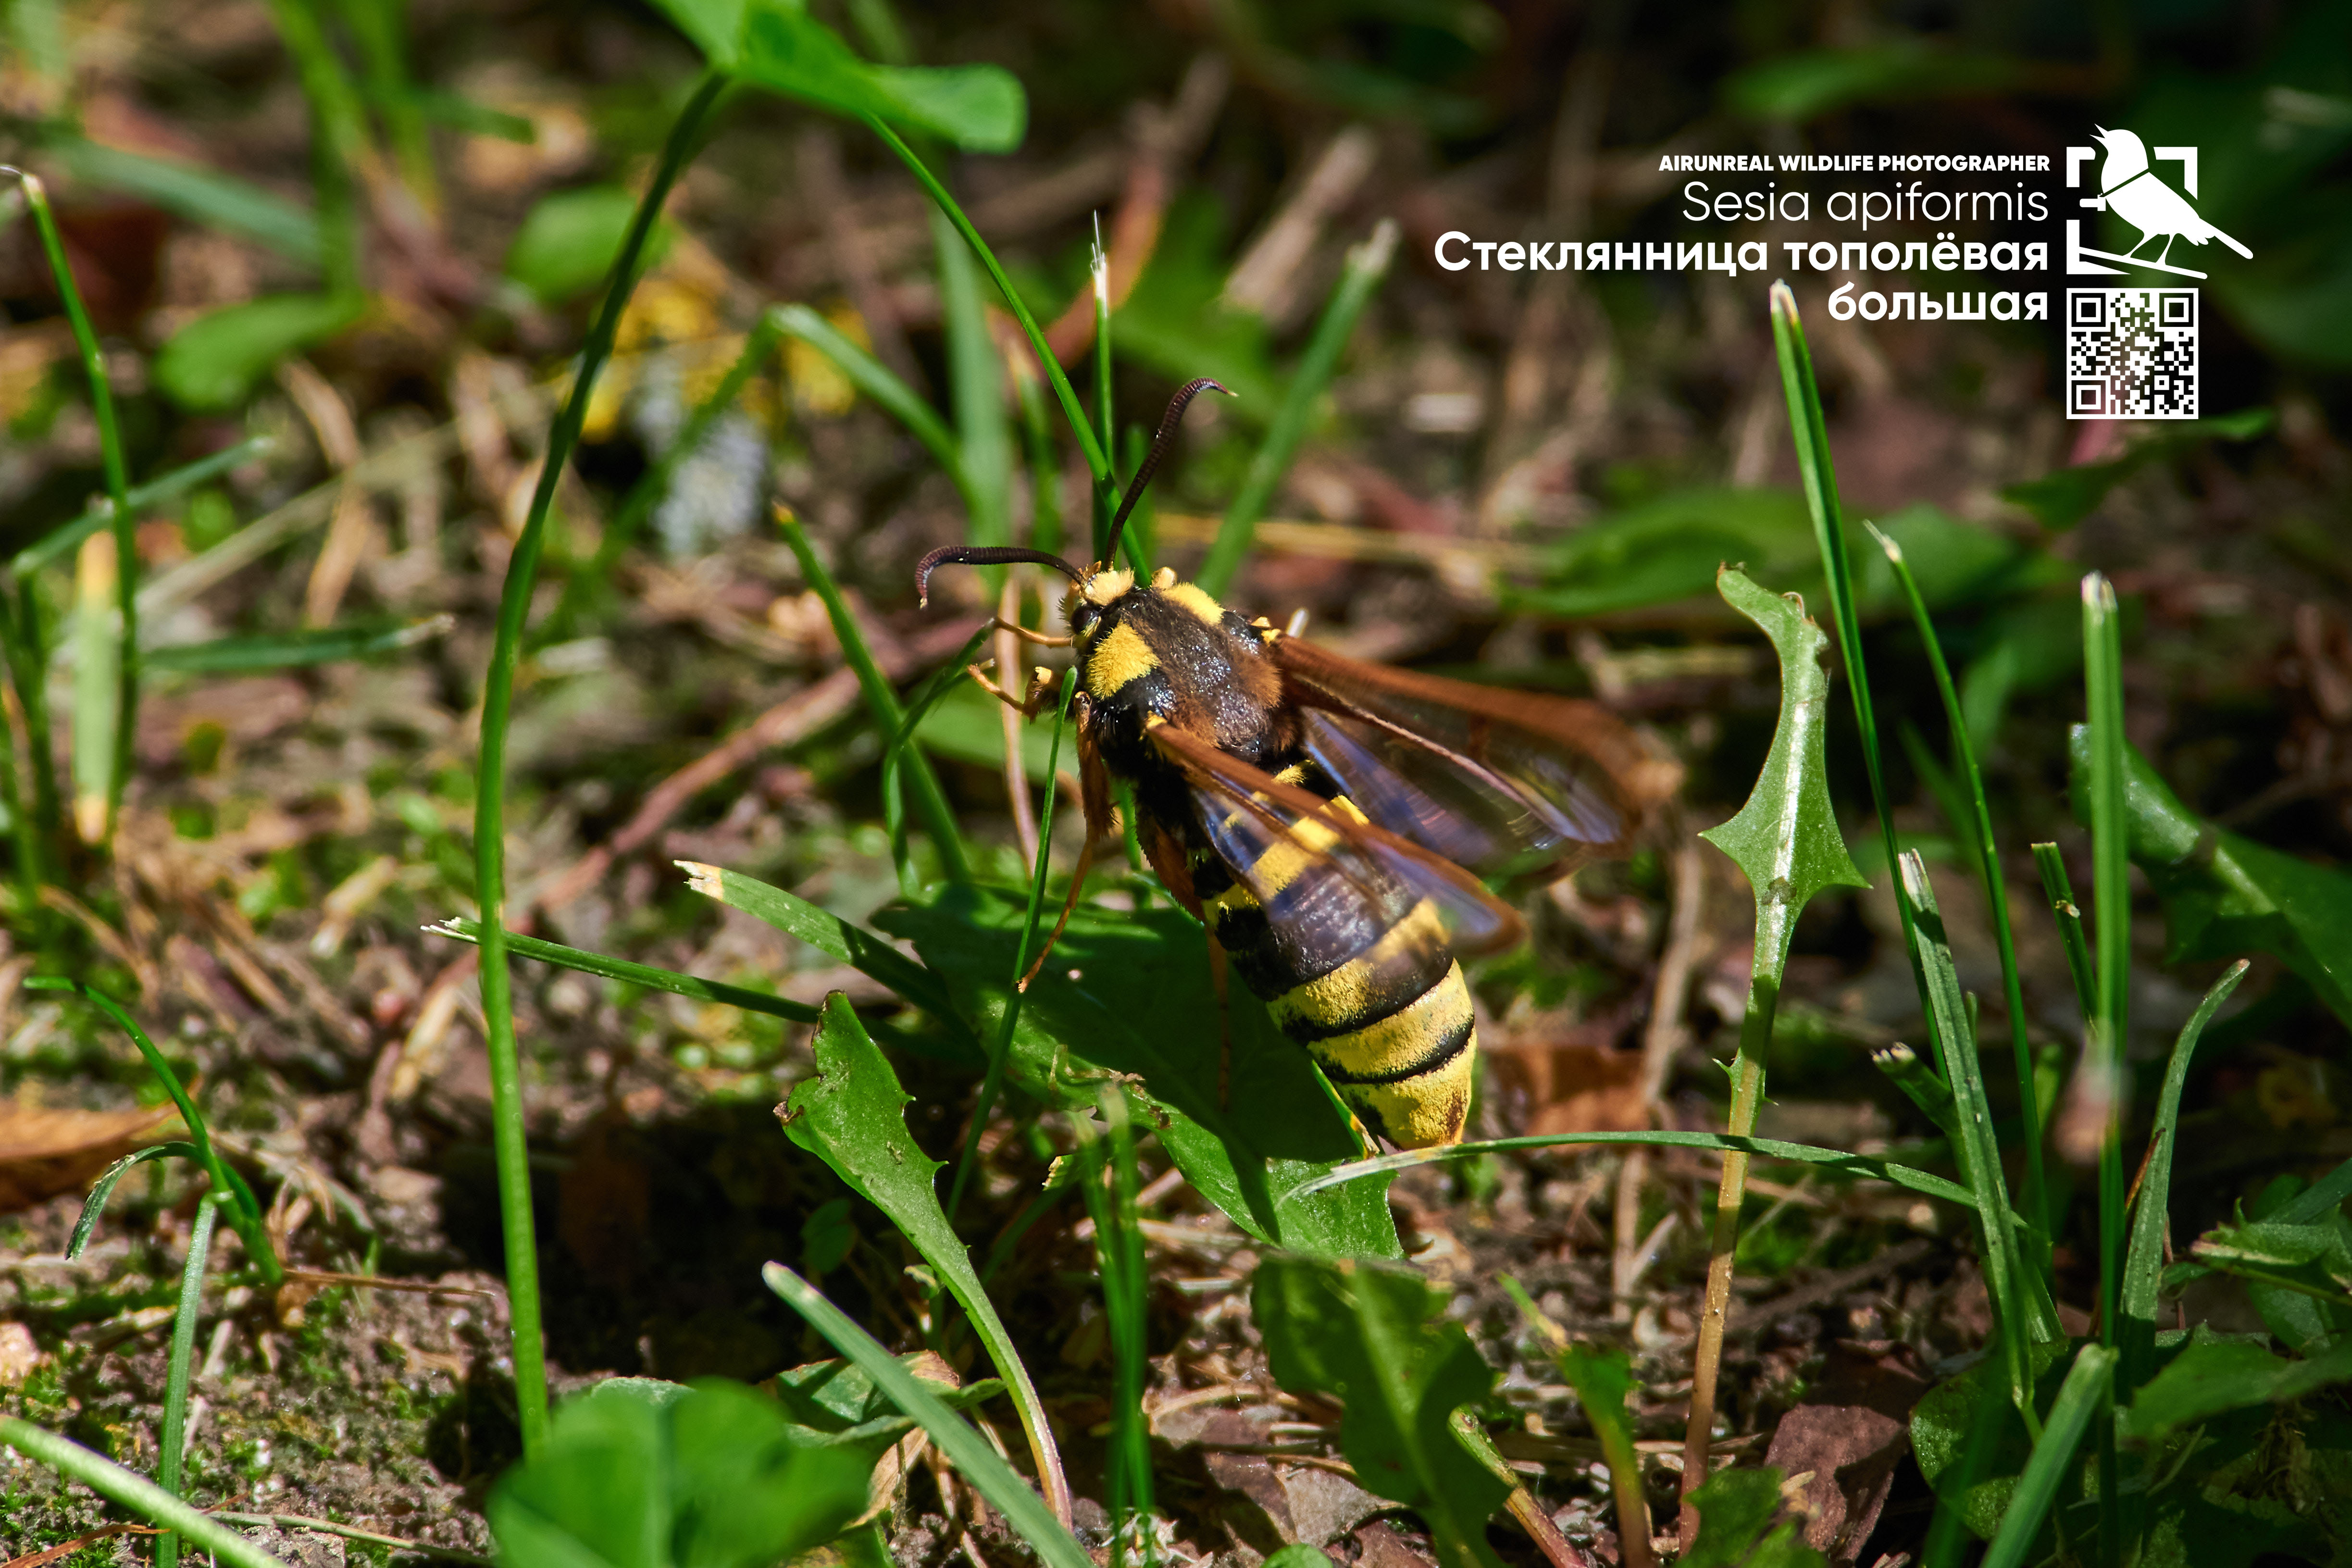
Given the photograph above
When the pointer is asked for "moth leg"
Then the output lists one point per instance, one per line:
(1224, 1024)
(1069, 907)
(1025, 635)
(1040, 683)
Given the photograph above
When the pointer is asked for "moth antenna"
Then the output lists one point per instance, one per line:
(1159, 445)
(984, 555)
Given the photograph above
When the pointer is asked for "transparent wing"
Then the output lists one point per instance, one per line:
(1315, 865)
(1507, 784)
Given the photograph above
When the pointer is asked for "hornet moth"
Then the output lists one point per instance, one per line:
(1333, 824)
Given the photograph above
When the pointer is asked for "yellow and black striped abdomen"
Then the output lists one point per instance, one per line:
(1370, 987)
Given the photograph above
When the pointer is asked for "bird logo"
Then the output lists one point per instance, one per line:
(2130, 187)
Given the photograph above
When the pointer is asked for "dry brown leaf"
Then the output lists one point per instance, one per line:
(1572, 1087)
(44, 1150)
(1851, 1432)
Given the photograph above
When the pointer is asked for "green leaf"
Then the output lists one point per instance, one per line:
(2215, 1378)
(1804, 86)
(2065, 497)
(1667, 549)
(1375, 1336)
(775, 44)
(1735, 1510)
(568, 243)
(1945, 1424)
(1129, 994)
(636, 1474)
(2144, 1262)
(2299, 1275)
(974, 1458)
(1298, 1555)
(2225, 896)
(850, 1115)
(293, 650)
(833, 1398)
(2021, 647)
(216, 361)
(1670, 548)
(1785, 840)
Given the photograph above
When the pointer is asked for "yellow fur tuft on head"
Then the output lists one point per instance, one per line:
(1105, 585)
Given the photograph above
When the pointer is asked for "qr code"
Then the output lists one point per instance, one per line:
(2131, 353)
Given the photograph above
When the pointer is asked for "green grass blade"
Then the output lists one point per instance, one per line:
(881, 700)
(293, 650)
(841, 940)
(1604, 1380)
(2016, 1305)
(975, 391)
(1107, 1181)
(193, 192)
(1367, 265)
(1105, 415)
(2111, 901)
(379, 27)
(965, 1448)
(2105, 1084)
(1044, 465)
(32, 823)
(1906, 1176)
(2060, 890)
(137, 1493)
(118, 493)
(2144, 1260)
(850, 1115)
(1094, 450)
(901, 745)
(184, 1350)
(2086, 1392)
(246, 1221)
(1978, 829)
(668, 981)
(655, 482)
(96, 689)
(339, 137)
(1819, 477)
(490, 777)
(878, 383)
(1920, 1083)
(2323, 1198)
(63, 540)
(1002, 1056)
(102, 1190)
